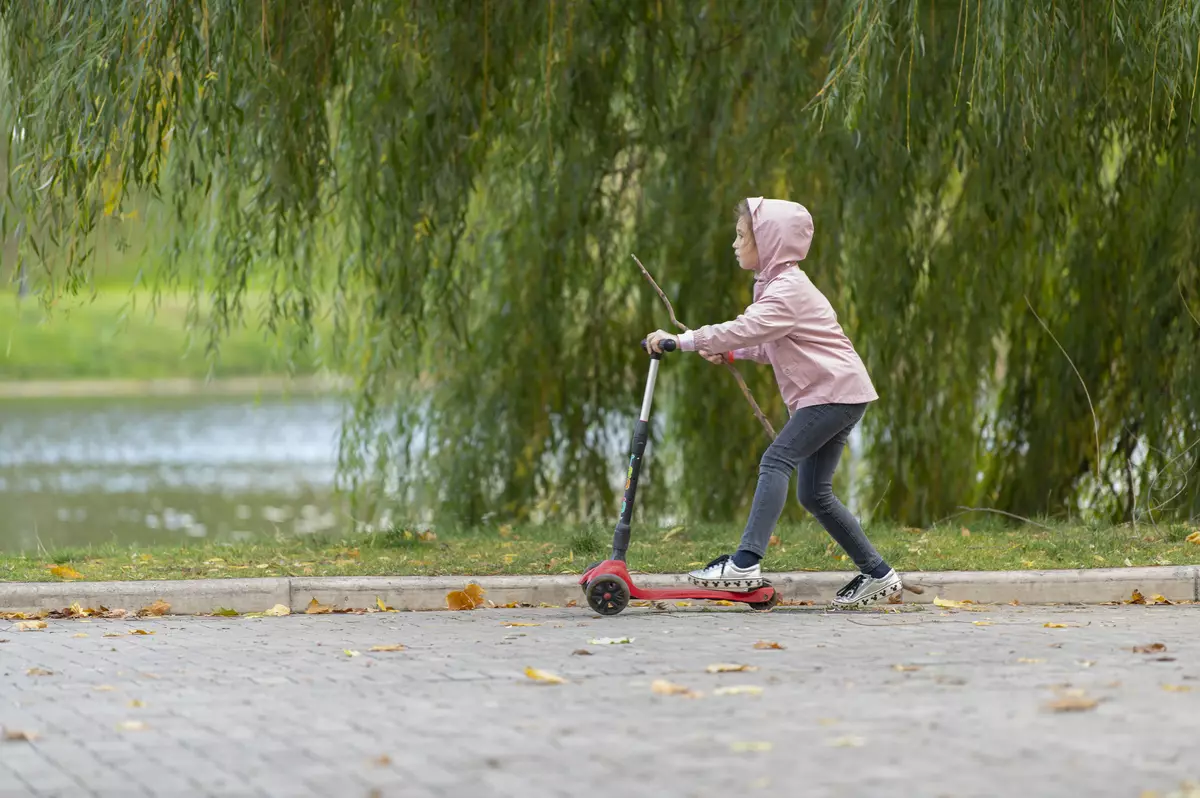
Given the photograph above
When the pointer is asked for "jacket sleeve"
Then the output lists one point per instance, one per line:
(766, 320)
(754, 353)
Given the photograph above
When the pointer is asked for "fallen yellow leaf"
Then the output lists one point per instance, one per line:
(38, 672)
(349, 652)
(906, 668)
(137, 703)
(683, 603)
(982, 623)
(663, 687)
(278, 611)
(1054, 625)
(1153, 648)
(19, 735)
(383, 607)
(729, 667)
(611, 641)
(1159, 598)
(1028, 661)
(468, 598)
(849, 741)
(951, 604)
(739, 689)
(745, 747)
(511, 624)
(159, 607)
(1194, 537)
(1072, 703)
(544, 676)
(225, 612)
(1177, 688)
(1136, 597)
(65, 572)
(388, 647)
(722, 602)
(131, 725)
(79, 634)
(768, 645)
(317, 608)
(140, 632)
(113, 634)
(30, 626)
(104, 688)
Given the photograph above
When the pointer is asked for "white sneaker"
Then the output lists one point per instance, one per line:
(722, 574)
(865, 589)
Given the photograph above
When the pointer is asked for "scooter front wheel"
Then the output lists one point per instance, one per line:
(608, 594)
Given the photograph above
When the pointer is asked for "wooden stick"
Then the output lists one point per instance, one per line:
(733, 369)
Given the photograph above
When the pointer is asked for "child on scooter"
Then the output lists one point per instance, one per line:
(792, 326)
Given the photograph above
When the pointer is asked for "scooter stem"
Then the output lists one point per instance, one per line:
(636, 449)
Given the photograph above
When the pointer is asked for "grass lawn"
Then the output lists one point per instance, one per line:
(114, 336)
(554, 549)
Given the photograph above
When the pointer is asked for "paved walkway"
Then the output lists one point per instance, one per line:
(274, 707)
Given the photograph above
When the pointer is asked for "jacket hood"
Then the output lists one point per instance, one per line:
(783, 232)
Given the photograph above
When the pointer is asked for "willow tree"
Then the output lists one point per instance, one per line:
(1006, 197)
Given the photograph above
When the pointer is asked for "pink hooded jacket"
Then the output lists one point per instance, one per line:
(790, 324)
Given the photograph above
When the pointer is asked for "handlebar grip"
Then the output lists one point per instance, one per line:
(667, 345)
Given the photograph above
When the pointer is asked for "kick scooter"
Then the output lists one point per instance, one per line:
(608, 585)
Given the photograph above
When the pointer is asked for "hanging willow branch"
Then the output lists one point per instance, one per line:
(737, 375)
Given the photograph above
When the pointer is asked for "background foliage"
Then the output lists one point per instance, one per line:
(1005, 196)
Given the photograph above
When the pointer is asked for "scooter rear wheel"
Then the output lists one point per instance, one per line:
(768, 604)
(608, 594)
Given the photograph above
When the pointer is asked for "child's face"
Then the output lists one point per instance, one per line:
(744, 246)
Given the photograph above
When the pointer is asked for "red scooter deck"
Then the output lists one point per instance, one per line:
(763, 595)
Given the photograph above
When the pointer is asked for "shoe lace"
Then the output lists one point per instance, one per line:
(853, 585)
(724, 558)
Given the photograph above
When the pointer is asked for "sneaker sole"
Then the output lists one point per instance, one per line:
(734, 585)
(871, 599)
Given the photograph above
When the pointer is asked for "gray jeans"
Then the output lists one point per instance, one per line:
(811, 443)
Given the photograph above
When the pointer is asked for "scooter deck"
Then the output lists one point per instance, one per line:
(619, 568)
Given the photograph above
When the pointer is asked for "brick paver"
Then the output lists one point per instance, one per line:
(274, 707)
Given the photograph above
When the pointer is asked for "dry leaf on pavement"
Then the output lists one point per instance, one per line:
(1177, 688)
(140, 632)
(225, 612)
(906, 668)
(849, 741)
(80, 634)
(349, 652)
(159, 607)
(131, 725)
(544, 676)
(581, 652)
(1153, 648)
(511, 624)
(729, 667)
(739, 689)
(389, 647)
(384, 607)
(982, 623)
(19, 735)
(1159, 598)
(1075, 701)
(663, 687)
(317, 608)
(1028, 661)
(722, 602)
(30, 626)
(745, 747)
(38, 672)
(468, 598)
(768, 645)
(137, 703)
(1136, 598)
(610, 641)
(1054, 625)
(278, 611)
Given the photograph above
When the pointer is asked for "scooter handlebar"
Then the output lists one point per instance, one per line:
(667, 345)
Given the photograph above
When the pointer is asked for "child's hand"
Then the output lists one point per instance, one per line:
(655, 340)
(716, 359)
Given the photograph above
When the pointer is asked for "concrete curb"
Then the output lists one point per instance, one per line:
(202, 596)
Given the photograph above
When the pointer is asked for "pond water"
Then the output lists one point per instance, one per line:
(79, 471)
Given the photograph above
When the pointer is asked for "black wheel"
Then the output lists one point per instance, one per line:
(608, 594)
(768, 604)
